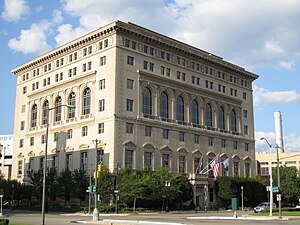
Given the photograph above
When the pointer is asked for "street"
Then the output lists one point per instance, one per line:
(180, 218)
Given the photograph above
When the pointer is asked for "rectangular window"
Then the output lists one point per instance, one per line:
(105, 43)
(148, 131)
(193, 79)
(75, 55)
(210, 141)
(198, 81)
(181, 164)
(21, 143)
(235, 145)
(69, 161)
(84, 67)
(130, 60)
(145, 65)
(31, 141)
(196, 138)
(129, 128)
(90, 50)
(70, 58)
(145, 49)
(70, 73)
(162, 55)
(74, 71)
(168, 56)
(62, 61)
(168, 72)
(151, 51)
(235, 168)
(55, 136)
(148, 159)
(84, 51)
(129, 105)
(55, 162)
(103, 61)
(165, 134)
(165, 160)
(181, 136)
(246, 147)
(133, 45)
(101, 84)
(83, 160)
(24, 90)
(89, 65)
(128, 157)
(20, 167)
(127, 43)
(245, 129)
(244, 95)
(100, 128)
(129, 84)
(43, 139)
(151, 68)
(245, 113)
(223, 143)
(84, 131)
(100, 45)
(69, 134)
(183, 76)
(22, 126)
(178, 75)
(101, 105)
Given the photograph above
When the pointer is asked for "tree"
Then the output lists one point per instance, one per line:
(81, 182)
(289, 183)
(51, 184)
(35, 181)
(66, 184)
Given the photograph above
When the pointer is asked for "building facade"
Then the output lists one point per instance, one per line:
(151, 100)
(285, 158)
(6, 154)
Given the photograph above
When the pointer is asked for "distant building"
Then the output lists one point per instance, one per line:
(152, 101)
(285, 158)
(6, 153)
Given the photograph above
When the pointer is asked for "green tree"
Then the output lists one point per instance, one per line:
(66, 184)
(51, 184)
(81, 182)
(289, 183)
(36, 182)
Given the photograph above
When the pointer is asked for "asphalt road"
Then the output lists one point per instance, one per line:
(180, 218)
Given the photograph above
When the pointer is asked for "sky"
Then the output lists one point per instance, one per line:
(260, 35)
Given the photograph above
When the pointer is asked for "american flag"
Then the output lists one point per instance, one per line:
(215, 166)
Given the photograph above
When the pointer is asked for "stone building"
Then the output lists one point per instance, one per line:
(151, 100)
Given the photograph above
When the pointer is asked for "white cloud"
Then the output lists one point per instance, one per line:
(57, 17)
(264, 96)
(242, 32)
(14, 10)
(31, 40)
(291, 142)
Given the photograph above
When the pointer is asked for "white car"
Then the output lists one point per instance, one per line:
(263, 207)
(298, 206)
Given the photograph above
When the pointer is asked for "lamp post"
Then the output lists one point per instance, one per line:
(167, 185)
(96, 211)
(271, 177)
(242, 190)
(278, 183)
(45, 159)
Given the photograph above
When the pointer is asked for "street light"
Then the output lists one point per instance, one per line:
(96, 211)
(278, 183)
(167, 185)
(271, 177)
(242, 190)
(45, 159)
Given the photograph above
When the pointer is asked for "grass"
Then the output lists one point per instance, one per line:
(283, 213)
(20, 224)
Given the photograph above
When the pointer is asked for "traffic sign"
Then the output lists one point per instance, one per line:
(278, 197)
(275, 189)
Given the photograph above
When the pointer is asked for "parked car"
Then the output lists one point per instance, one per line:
(263, 207)
(298, 206)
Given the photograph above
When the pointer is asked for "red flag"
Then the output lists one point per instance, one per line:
(215, 166)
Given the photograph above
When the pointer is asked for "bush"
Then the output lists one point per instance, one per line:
(4, 221)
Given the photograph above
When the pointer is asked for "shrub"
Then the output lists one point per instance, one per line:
(4, 221)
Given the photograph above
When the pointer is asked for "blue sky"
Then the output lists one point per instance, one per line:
(260, 35)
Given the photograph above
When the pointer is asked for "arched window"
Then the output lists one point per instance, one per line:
(34, 115)
(208, 115)
(147, 102)
(233, 121)
(45, 112)
(221, 118)
(195, 112)
(71, 102)
(58, 109)
(86, 101)
(179, 109)
(164, 106)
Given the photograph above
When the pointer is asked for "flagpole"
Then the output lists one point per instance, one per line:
(208, 164)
